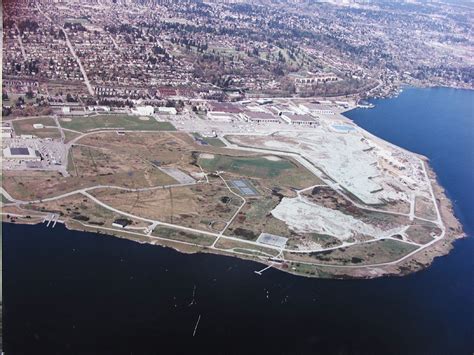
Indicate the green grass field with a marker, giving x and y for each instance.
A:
(4, 199)
(215, 142)
(255, 167)
(69, 136)
(26, 127)
(125, 122)
(189, 237)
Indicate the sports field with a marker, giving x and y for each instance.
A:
(259, 167)
(26, 127)
(125, 122)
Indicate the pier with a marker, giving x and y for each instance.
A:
(52, 217)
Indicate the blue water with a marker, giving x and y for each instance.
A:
(435, 122)
(73, 292)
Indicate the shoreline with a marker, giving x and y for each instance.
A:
(417, 262)
(409, 262)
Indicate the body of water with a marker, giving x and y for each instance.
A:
(73, 292)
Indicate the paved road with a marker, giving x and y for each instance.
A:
(20, 42)
(73, 52)
(84, 74)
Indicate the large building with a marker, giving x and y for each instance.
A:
(298, 119)
(21, 153)
(6, 132)
(223, 107)
(143, 110)
(316, 108)
(259, 117)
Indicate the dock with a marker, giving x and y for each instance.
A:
(261, 271)
(52, 217)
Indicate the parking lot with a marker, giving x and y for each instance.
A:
(52, 153)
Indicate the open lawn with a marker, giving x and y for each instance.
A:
(4, 199)
(96, 161)
(271, 171)
(255, 218)
(152, 148)
(215, 142)
(26, 127)
(80, 208)
(245, 248)
(195, 238)
(422, 233)
(203, 206)
(112, 121)
(69, 136)
(30, 185)
(259, 167)
(425, 208)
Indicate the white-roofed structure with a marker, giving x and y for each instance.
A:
(299, 119)
(143, 110)
(6, 132)
(167, 110)
(259, 117)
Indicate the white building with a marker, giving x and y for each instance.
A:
(167, 110)
(143, 110)
(6, 132)
(299, 119)
(221, 116)
(99, 108)
(316, 109)
(259, 117)
(264, 101)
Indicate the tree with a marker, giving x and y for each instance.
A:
(69, 98)
(6, 111)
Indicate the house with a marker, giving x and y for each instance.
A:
(121, 223)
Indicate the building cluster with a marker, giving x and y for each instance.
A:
(226, 50)
(267, 111)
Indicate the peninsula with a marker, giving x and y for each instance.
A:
(290, 183)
